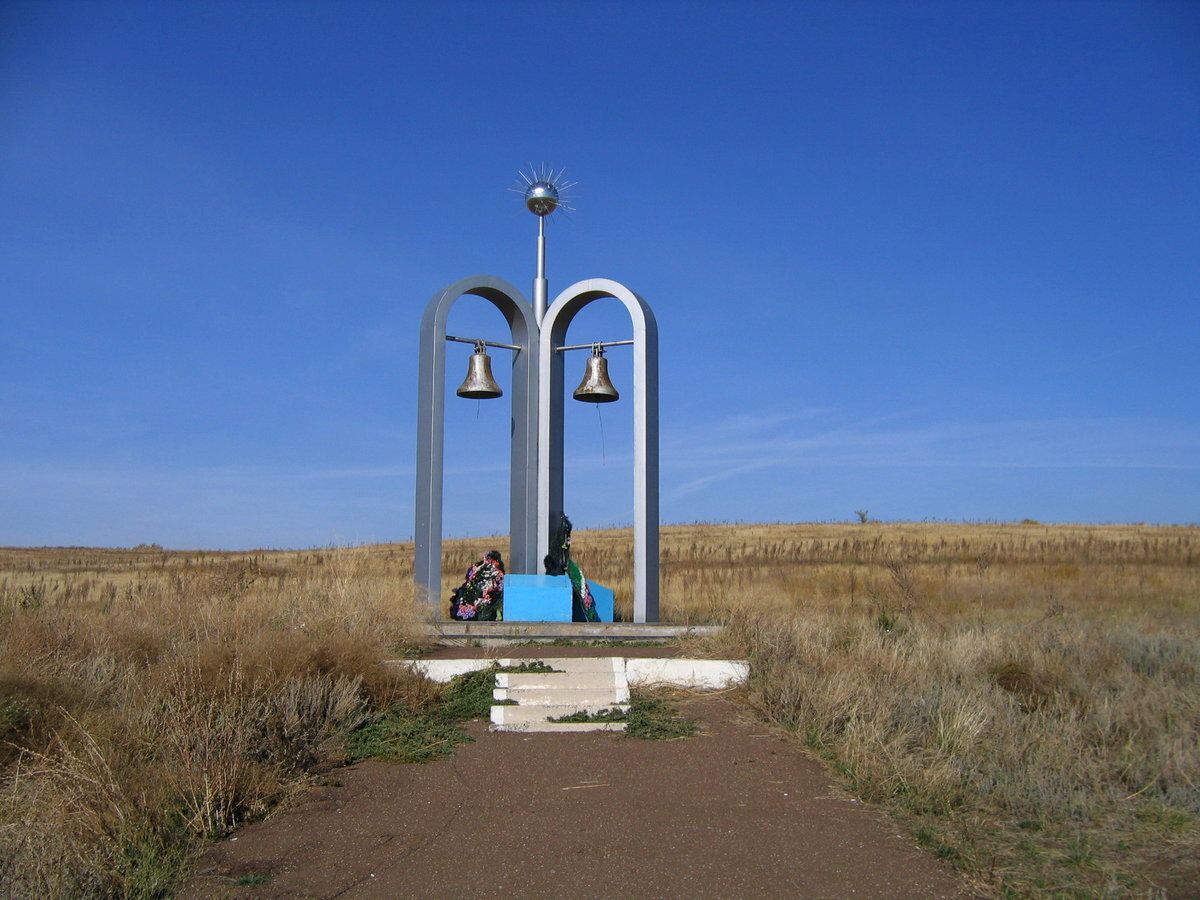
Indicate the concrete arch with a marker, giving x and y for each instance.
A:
(645, 418)
(431, 388)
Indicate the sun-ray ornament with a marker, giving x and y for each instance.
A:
(545, 191)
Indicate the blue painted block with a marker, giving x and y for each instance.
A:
(537, 598)
(604, 601)
(547, 598)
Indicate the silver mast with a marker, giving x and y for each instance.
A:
(545, 191)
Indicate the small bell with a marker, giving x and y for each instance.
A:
(596, 386)
(479, 384)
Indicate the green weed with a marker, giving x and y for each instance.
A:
(612, 714)
(402, 734)
(651, 719)
(468, 696)
(533, 666)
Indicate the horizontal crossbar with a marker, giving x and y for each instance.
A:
(463, 340)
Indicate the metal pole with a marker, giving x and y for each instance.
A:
(540, 286)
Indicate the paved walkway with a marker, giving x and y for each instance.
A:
(732, 813)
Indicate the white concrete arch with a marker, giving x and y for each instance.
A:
(431, 388)
(645, 425)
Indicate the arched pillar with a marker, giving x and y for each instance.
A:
(645, 429)
(431, 387)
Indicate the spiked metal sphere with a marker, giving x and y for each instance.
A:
(541, 197)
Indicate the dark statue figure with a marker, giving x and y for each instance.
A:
(558, 562)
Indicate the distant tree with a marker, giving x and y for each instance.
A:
(863, 517)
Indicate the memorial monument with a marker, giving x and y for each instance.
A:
(538, 344)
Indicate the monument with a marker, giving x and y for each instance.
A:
(538, 343)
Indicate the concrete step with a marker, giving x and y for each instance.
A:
(560, 680)
(576, 664)
(525, 715)
(605, 696)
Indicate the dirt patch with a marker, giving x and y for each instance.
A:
(736, 811)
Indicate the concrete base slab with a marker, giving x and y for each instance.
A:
(451, 633)
(698, 674)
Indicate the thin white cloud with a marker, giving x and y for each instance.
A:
(1085, 443)
(699, 484)
(764, 420)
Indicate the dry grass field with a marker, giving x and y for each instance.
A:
(1024, 698)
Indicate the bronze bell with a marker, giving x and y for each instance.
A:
(479, 384)
(596, 387)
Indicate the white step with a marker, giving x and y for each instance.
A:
(560, 680)
(605, 696)
(576, 663)
(518, 715)
(583, 665)
(578, 684)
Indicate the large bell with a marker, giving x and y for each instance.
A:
(479, 384)
(596, 387)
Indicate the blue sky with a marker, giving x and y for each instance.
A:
(931, 260)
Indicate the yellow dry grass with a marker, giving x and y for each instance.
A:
(151, 699)
(1025, 697)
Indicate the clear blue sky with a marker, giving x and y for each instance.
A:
(931, 260)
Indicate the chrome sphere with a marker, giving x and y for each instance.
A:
(541, 197)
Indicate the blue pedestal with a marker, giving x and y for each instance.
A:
(547, 598)
(537, 598)
(604, 601)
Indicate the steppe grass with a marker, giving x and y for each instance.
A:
(149, 701)
(1054, 758)
(1035, 721)
(1024, 697)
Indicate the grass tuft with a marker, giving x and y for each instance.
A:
(402, 734)
(612, 714)
(653, 719)
(399, 735)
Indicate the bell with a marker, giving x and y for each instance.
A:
(479, 384)
(596, 387)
